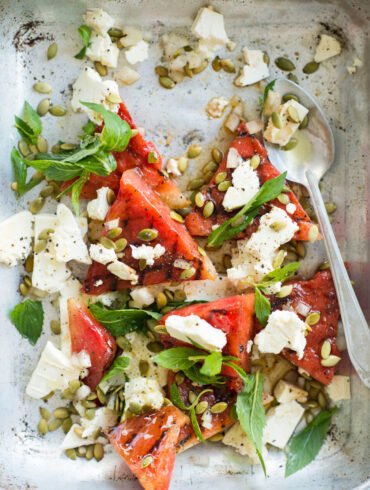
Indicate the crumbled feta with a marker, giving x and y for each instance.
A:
(104, 418)
(148, 253)
(109, 225)
(16, 235)
(288, 128)
(234, 159)
(255, 69)
(99, 207)
(103, 50)
(339, 389)
(285, 392)
(291, 208)
(98, 20)
(143, 393)
(142, 297)
(131, 36)
(82, 392)
(249, 346)
(101, 254)
(53, 372)
(328, 47)
(207, 419)
(245, 186)
(238, 439)
(272, 103)
(209, 25)
(194, 328)
(182, 264)
(127, 76)
(357, 63)
(89, 87)
(216, 107)
(123, 271)
(172, 43)
(172, 167)
(72, 440)
(284, 329)
(71, 288)
(137, 53)
(281, 422)
(254, 126)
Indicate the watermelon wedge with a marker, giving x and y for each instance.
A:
(247, 146)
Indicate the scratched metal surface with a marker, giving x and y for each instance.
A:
(287, 27)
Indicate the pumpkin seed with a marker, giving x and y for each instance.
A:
(42, 87)
(52, 51)
(90, 413)
(161, 301)
(111, 197)
(331, 361)
(220, 177)
(143, 367)
(285, 291)
(200, 68)
(42, 427)
(278, 225)
(313, 233)
(14, 186)
(324, 266)
(98, 451)
(325, 349)
(321, 399)
(40, 246)
(330, 207)
(176, 216)
(179, 295)
(106, 242)
(28, 265)
(227, 65)
(255, 161)
(101, 396)
(208, 209)
(74, 385)
(114, 232)
(311, 404)
(167, 82)
(202, 251)
(301, 249)
(287, 97)
(223, 186)
(152, 157)
(187, 273)
(188, 71)
(23, 148)
(88, 404)
(92, 396)
(115, 33)
(192, 396)
(182, 164)
(216, 438)
(293, 78)
(61, 413)
(226, 261)
(101, 69)
(124, 344)
(148, 234)
(57, 111)
(114, 98)
(45, 234)
(45, 414)
(210, 167)
(55, 327)
(195, 184)
(148, 460)
(266, 58)
(68, 146)
(278, 259)
(304, 122)
(47, 191)
(66, 425)
(89, 452)
(54, 424)
(199, 200)
(179, 378)
(71, 454)
(201, 407)
(120, 245)
(293, 114)
(216, 65)
(36, 205)
(283, 198)
(290, 145)
(142, 264)
(55, 149)
(161, 71)
(310, 67)
(155, 347)
(284, 64)
(28, 282)
(217, 155)
(276, 120)
(219, 407)
(194, 151)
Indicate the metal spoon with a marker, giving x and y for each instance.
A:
(306, 164)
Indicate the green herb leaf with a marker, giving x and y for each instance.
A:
(176, 397)
(19, 170)
(269, 191)
(117, 369)
(304, 447)
(76, 190)
(121, 322)
(195, 424)
(116, 132)
(262, 306)
(194, 374)
(212, 364)
(28, 317)
(269, 86)
(177, 358)
(30, 125)
(250, 411)
(85, 33)
(55, 170)
(89, 128)
(279, 275)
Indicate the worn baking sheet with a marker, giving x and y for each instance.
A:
(287, 27)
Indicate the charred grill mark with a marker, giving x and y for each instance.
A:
(158, 442)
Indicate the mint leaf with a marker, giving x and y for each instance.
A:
(89, 128)
(304, 447)
(194, 374)
(262, 306)
(19, 170)
(85, 33)
(29, 126)
(176, 397)
(76, 190)
(117, 369)
(195, 424)
(212, 364)
(279, 275)
(177, 358)
(269, 86)
(28, 317)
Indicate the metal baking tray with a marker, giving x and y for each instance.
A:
(172, 119)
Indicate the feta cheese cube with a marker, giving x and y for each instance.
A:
(284, 329)
(245, 186)
(72, 440)
(137, 53)
(209, 25)
(216, 107)
(148, 253)
(131, 36)
(143, 393)
(255, 69)
(285, 392)
(101, 254)
(328, 47)
(123, 271)
(142, 297)
(127, 76)
(238, 439)
(98, 20)
(288, 128)
(196, 329)
(281, 422)
(254, 126)
(99, 207)
(102, 49)
(272, 103)
(103, 419)
(16, 235)
(207, 419)
(339, 389)
(234, 159)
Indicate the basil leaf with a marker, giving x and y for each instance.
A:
(117, 369)
(177, 358)
(269, 86)
(195, 424)
(227, 232)
(279, 275)
(28, 317)
(116, 132)
(212, 364)
(194, 374)
(121, 322)
(54, 170)
(30, 127)
(89, 128)
(176, 397)
(99, 164)
(262, 306)
(269, 191)
(19, 170)
(76, 190)
(85, 33)
(304, 447)
(180, 304)
(250, 411)
(24, 130)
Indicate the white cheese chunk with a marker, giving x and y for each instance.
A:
(328, 47)
(71, 288)
(238, 439)
(99, 207)
(207, 419)
(339, 389)
(131, 36)
(103, 50)
(245, 186)
(281, 422)
(123, 271)
(53, 372)
(291, 208)
(172, 43)
(148, 253)
(67, 238)
(16, 234)
(193, 328)
(209, 25)
(254, 126)
(284, 329)
(255, 69)
(281, 136)
(234, 159)
(285, 392)
(143, 392)
(137, 53)
(101, 254)
(89, 87)
(172, 167)
(272, 103)
(216, 107)
(103, 419)
(98, 20)
(109, 225)
(72, 440)
(127, 76)
(142, 297)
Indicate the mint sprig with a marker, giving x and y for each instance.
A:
(85, 33)
(28, 318)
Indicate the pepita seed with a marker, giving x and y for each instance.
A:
(74, 385)
(71, 454)
(114, 98)
(304, 122)
(313, 233)
(330, 207)
(200, 68)
(324, 266)
(176, 216)
(45, 414)
(210, 167)
(301, 249)
(207, 177)
(226, 261)
(321, 399)
(192, 396)
(54, 424)
(40, 246)
(111, 197)
(287, 97)
(313, 318)
(331, 361)
(220, 177)
(216, 438)
(88, 404)
(155, 347)
(195, 184)
(57, 111)
(114, 232)
(293, 78)
(148, 234)
(148, 460)
(66, 425)
(43, 107)
(143, 367)
(28, 282)
(142, 264)
(312, 404)
(284, 64)
(92, 396)
(182, 164)
(278, 225)
(61, 413)
(208, 209)
(293, 114)
(47, 191)
(24, 148)
(68, 146)
(28, 265)
(14, 186)
(90, 413)
(161, 71)
(101, 396)
(179, 378)
(52, 51)
(227, 65)
(217, 155)
(120, 245)
(194, 151)
(152, 157)
(98, 451)
(255, 161)
(42, 427)
(202, 251)
(223, 186)
(292, 143)
(179, 295)
(55, 149)
(276, 120)
(219, 407)
(161, 301)
(101, 69)
(167, 82)
(285, 291)
(201, 407)
(36, 205)
(187, 273)
(199, 200)
(45, 234)
(278, 259)
(216, 65)
(325, 349)
(124, 344)
(55, 327)
(115, 33)
(283, 198)
(89, 453)
(266, 58)
(310, 67)
(188, 71)
(42, 87)
(106, 242)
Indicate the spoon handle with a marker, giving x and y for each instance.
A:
(356, 329)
